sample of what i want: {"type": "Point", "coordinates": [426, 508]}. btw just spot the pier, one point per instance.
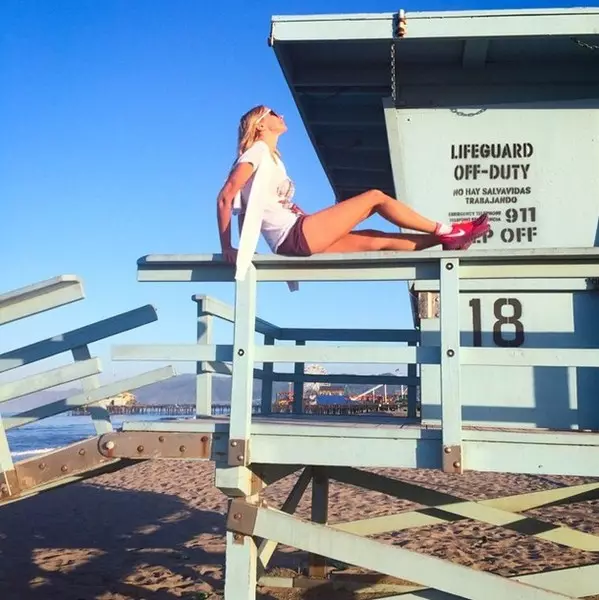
{"type": "Point", "coordinates": [169, 410]}
{"type": "Point", "coordinates": [166, 410]}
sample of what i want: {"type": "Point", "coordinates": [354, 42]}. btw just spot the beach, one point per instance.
{"type": "Point", "coordinates": [154, 531]}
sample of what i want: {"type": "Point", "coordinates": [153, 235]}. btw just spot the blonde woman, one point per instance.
{"type": "Point", "coordinates": [259, 174]}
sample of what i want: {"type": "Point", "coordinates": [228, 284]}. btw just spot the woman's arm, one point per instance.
{"type": "Point", "coordinates": [224, 204]}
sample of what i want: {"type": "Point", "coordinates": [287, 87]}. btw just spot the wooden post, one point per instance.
{"type": "Point", "coordinates": [267, 370]}
{"type": "Point", "coordinates": [203, 370]}
{"type": "Point", "coordinates": [298, 386]}
{"type": "Point", "coordinates": [320, 514]}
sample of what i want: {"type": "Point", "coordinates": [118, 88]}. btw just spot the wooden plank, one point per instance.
{"type": "Point", "coordinates": [349, 335]}
{"type": "Point", "coordinates": [216, 308]}
{"type": "Point", "coordinates": [431, 26]}
{"type": "Point", "coordinates": [298, 385]}
{"type": "Point", "coordinates": [267, 547]}
{"type": "Point", "coordinates": [78, 337]}
{"type": "Point", "coordinates": [349, 354]}
{"type": "Point", "coordinates": [40, 297]}
{"type": "Point", "coordinates": [204, 331]}
{"type": "Point", "coordinates": [49, 379]}
{"type": "Point", "coordinates": [99, 414]}
{"type": "Point", "coordinates": [267, 380]}
{"type": "Point", "coordinates": [473, 255]}
{"type": "Point", "coordinates": [295, 354]}
{"type": "Point", "coordinates": [531, 357]}
{"type": "Point", "coordinates": [243, 370]}
{"type": "Point", "coordinates": [370, 554]}
{"type": "Point", "coordinates": [451, 407]}
{"type": "Point", "coordinates": [89, 397]}
{"type": "Point", "coordinates": [7, 477]}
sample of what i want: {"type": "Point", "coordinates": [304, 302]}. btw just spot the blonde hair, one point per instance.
{"type": "Point", "coordinates": [247, 133]}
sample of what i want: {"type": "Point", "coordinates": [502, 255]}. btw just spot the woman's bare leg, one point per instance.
{"type": "Point", "coordinates": [324, 228]}
{"type": "Point", "coordinates": [371, 240]}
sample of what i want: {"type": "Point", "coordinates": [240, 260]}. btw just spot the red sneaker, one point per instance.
{"type": "Point", "coordinates": [464, 233]}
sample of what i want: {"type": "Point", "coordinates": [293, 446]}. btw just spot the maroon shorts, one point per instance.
{"type": "Point", "coordinates": [295, 243]}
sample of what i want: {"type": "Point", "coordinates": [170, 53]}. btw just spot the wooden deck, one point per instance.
{"type": "Point", "coordinates": [387, 440]}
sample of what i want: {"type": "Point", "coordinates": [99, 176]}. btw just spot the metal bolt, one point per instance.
{"type": "Point", "coordinates": [82, 452]}
{"type": "Point", "coordinates": [237, 537]}
{"type": "Point", "coordinates": [240, 458]}
{"type": "Point", "coordinates": [457, 464]}
{"type": "Point", "coordinates": [64, 468]}
{"type": "Point", "coordinates": [447, 450]}
{"type": "Point", "coordinates": [237, 516]}
{"type": "Point", "coordinates": [204, 438]}
{"type": "Point", "coordinates": [449, 266]}
{"type": "Point", "coordinates": [240, 352]}
{"type": "Point", "coordinates": [450, 353]}
{"type": "Point", "coordinates": [109, 445]}
{"type": "Point", "coordinates": [140, 448]}
{"type": "Point", "coordinates": [233, 444]}
{"type": "Point", "coordinates": [42, 466]}
{"type": "Point", "coordinates": [161, 438]}
{"type": "Point", "coordinates": [182, 449]}
{"type": "Point", "coordinates": [4, 489]}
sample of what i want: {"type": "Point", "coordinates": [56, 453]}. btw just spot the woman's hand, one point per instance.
{"type": "Point", "coordinates": [230, 255]}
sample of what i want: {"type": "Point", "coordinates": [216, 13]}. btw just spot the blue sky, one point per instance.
{"type": "Point", "coordinates": [118, 123]}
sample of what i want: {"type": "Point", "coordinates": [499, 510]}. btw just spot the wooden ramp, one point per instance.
{"type": "Point", "coordinates": [18, 480]}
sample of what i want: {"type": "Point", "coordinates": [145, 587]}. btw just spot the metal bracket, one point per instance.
{"type": "Point", "coordinates": [9, 484]}
{"type": "Point", "coordinates": [147, 445]}
{"type": "Point", "coordinates": [452, 459]}
{"type": "Point", "coordinates": [241, 517]}
{"type": "Point", "coordinates": [239, 453]}
{"type": "Point", "coordinates": [68, 461]}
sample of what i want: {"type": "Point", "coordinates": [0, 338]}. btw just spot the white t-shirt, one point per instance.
{"type": "Point", "coordinates": [276, 193]}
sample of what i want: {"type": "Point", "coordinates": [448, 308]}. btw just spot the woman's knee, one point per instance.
{"type": "Point", "coordinates": [376, 195]}
{"type": "Point", "coordinates": [374, 198]}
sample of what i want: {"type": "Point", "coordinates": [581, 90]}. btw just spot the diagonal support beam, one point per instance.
{"type": "Point", "coordinates": [89, 397]}
{"type": "Point", "coordinates": [49, 379]}
{"type": "Point", "coordinates": [40, 297]}
{"type": "Point", "coordinates": [397, 562]}
{"type": "Point", "coordinates": [99, 414]}
{"type": "Point", "coordinates": [523, 502]}
{"type": "Point", "coordinates": [78, 337]}
{"type": "Point", "coordinates": [64, 465]}
{"type": "Point", "coordinates": [445, 508]}
{"type": "Point", "coordinates": [267, 547]}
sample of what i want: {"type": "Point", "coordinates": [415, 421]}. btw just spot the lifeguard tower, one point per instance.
{"type": "Point", "coordinates": [457, 114]}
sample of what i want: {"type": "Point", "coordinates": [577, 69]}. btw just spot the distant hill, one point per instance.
{"type": "Point", "coordinates": [181, 390]}
{"type": "Point", "coordinates": [176, 390]}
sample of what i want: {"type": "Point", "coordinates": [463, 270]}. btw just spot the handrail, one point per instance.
{"type": "Point", "coordinates": [209, 307]}
{"type": "Point", "coordinates": [442, 271]}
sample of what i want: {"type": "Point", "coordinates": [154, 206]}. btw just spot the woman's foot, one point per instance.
{"type": "Point", "coordinates": [462, 234]}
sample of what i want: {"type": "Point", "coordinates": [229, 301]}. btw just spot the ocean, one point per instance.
{"type": "Point", "coordinates": [55, 432]}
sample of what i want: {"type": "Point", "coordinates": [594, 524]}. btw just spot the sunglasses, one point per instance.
{"type": "Point", "coordinates": [268, 112]}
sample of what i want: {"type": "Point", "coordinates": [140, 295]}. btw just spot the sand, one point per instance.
{"type": "Point", "coordinates": [155, 531]}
